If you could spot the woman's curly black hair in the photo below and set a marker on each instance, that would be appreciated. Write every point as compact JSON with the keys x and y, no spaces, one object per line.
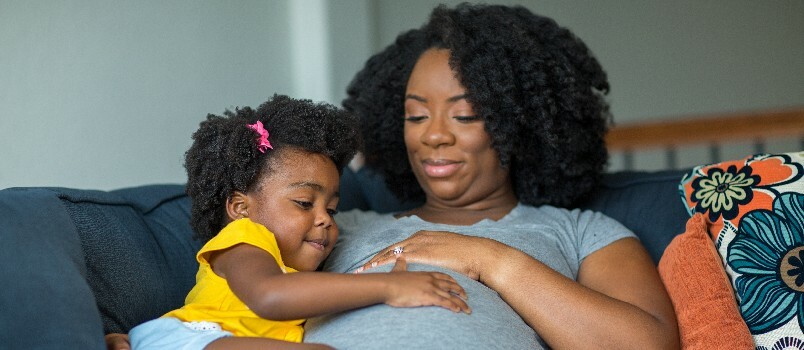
{"x":224,"y":157}
{"x":538,"y":88}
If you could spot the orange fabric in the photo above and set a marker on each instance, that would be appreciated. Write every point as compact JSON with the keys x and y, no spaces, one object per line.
{"x":692,"y":272}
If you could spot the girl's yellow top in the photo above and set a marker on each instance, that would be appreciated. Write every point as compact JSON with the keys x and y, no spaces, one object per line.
{"x":212,"y":300}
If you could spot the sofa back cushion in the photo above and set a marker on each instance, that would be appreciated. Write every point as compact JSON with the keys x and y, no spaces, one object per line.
{"x":138,"y":250}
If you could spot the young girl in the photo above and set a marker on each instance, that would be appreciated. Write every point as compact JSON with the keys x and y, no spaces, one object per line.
{"x":264,"y":187}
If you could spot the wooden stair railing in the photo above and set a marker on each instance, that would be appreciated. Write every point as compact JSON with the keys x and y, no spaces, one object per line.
{"x":711,"y":130}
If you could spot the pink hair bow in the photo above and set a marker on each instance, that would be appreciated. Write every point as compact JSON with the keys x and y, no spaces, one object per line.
{"x":262,"y":143}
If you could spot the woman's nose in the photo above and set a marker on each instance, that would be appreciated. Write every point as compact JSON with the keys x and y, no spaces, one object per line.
{"x":437,"y":133}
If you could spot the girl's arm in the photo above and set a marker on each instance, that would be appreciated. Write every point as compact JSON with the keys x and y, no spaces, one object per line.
{"x":117,"y":341}
{"x":255,"y":277}
{"x":618,"y":302}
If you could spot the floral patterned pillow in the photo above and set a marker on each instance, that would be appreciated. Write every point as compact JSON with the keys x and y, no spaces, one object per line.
{"x":755,"y":210}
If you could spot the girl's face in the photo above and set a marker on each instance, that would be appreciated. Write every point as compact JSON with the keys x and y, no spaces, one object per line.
{"x":296,"y":202}
{"x":448,"y":147}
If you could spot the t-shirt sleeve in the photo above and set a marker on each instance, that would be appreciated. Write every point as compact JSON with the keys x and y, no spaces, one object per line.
{"x":355,"y":220}
{"x":596,"y":230}
{"x":241,"y":231}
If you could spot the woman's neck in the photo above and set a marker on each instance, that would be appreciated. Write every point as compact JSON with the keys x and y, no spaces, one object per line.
{"x":446,"y":213}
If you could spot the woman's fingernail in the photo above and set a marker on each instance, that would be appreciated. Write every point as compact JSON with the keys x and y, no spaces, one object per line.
{"x":374,"y":264}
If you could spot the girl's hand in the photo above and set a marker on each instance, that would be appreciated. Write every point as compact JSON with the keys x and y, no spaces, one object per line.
{"x":474,"y":257}
{"x":411,"y":289}
{"x":117,"y":341}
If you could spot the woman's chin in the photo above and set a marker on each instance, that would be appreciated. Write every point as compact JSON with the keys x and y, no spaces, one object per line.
{"x":446,"y":193}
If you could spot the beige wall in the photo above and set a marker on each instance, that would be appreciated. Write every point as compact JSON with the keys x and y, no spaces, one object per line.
{"x":105,"y":94}
{"x":667,"y":58}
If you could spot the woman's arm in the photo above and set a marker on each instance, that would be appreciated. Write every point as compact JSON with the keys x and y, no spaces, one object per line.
{"x":255,"y":277}
{"x":618,"y":301}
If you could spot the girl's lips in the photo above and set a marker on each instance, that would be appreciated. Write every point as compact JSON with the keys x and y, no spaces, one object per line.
{"x":440,"y":168}
{"x":317,"y":244}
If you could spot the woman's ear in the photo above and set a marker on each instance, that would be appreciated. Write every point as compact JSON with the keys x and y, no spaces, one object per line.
{"x":237,"y":206}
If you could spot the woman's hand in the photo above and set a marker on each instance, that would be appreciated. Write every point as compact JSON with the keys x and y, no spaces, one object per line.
{"x":117,"y":341}
{"x":468,"y":255}
{"x":412,"y":289}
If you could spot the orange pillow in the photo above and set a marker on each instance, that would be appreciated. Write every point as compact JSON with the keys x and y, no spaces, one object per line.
{"x":692,"y":272}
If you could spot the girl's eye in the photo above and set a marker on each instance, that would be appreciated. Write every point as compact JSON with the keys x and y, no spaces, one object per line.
{"x":414,"y":118}
{"x":467,"y":118}
{"x":332,"y":212}
{"x":304,"y":204}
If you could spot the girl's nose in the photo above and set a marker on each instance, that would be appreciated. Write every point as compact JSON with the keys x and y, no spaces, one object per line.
{"x":323,"y":218}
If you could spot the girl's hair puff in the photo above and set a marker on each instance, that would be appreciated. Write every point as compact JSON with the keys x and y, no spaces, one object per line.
{"x":537,"y":87}
{"x":224,"y":157}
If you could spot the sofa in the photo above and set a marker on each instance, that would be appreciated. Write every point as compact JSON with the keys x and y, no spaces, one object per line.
{"x":80,"y":263}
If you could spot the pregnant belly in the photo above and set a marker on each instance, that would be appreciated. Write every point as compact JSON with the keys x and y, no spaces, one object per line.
{"x":491,"y":325}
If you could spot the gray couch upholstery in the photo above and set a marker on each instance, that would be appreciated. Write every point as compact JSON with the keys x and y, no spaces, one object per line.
{"x":80,"y":263}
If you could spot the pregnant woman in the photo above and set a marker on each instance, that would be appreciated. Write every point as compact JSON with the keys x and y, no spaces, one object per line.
{"x":493,"y":118}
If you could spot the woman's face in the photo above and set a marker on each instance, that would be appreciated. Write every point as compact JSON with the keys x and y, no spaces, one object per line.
{"x":448,"y":147}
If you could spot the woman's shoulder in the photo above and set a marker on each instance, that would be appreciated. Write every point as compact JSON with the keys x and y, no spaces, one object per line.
{"x":591,"y":229}
{"x":526,"y":212}
{"x":574,"y":216}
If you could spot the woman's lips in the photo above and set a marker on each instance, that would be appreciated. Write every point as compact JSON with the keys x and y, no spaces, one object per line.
{"x":440,"y":168}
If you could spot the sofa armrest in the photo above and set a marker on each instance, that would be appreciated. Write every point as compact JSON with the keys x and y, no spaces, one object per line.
{"x":43,"y":276}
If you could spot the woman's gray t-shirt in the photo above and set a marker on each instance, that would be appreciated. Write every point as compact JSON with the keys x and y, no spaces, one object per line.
{"x":557,"y":237}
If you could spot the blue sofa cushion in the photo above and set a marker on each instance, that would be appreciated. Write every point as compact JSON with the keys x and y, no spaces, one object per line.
{"x":138,"y":250}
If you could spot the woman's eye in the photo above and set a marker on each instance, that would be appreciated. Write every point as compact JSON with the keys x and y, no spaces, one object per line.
{"x":414,"y":118}
{"x":332,"y":212}
{"x":304,"y":204}
{"x":467,"y":118}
